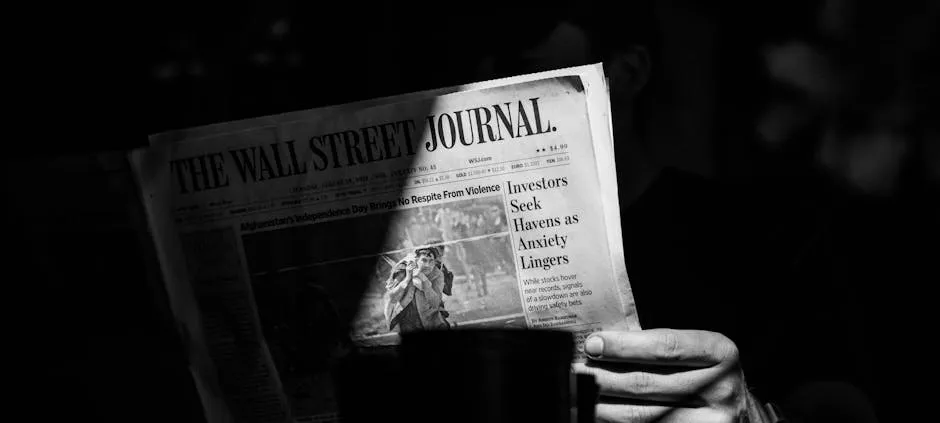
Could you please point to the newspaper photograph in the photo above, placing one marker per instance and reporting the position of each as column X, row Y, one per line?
column 285, row 244
column 465, row 245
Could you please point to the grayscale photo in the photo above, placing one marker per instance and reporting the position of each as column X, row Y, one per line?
column 448, row 265
column 322, row 287
column 324, row 212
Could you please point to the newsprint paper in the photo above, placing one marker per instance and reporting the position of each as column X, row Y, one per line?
column 283, row 240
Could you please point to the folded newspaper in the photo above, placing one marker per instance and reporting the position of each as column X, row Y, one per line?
column 286, row 240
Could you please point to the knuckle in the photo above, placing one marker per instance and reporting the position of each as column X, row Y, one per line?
column 731, row 353
column 725, row 391
column 617, row 413
column 727, row 350
column 669, row 346
column 642, row 383
column 635, row 414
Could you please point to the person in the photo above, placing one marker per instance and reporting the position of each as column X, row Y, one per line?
column 449, row 225
column 472, row 254
column 415, row 291
column 735, row 264
column 444, row 219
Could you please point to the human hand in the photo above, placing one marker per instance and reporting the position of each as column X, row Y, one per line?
column 411, row 268
column 667, row 375
column 414, row 275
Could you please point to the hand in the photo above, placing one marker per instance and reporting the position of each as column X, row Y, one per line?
column 410, row 271
column 667, row 375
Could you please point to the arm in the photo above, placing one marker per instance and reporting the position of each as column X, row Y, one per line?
column 448, row 280
column 398, row 286
column 421, row 281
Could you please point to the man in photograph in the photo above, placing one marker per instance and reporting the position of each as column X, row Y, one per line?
column 415, row 291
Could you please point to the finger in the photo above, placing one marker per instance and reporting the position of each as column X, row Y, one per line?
column 687, row 388
column 662, row 347
column 607, row 412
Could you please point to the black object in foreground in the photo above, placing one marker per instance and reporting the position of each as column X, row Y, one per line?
column 487, row 376
column 467, row 375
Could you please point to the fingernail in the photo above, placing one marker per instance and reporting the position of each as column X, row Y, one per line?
column 594, row 346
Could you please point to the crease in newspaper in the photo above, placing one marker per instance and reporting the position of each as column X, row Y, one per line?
column 147, row 171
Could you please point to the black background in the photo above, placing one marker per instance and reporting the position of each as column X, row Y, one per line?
column 90, row 331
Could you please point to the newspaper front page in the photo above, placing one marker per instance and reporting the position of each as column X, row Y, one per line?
column 285, row 241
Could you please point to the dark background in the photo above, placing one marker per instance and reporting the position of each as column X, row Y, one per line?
column 89, row 322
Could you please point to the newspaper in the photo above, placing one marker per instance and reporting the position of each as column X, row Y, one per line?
column 284, row 240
